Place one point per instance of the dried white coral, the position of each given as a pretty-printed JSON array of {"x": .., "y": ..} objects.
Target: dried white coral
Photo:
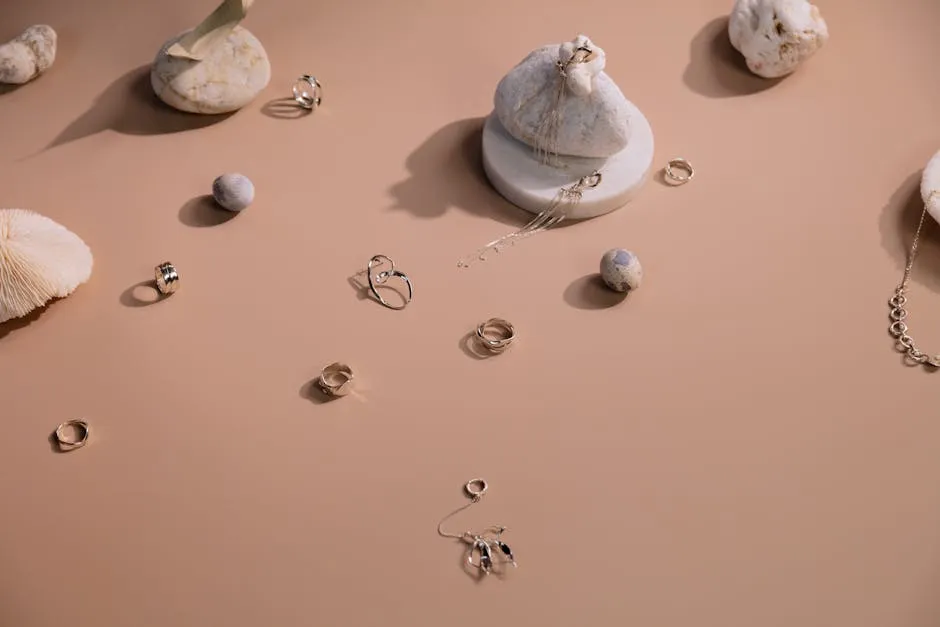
[
  {"x": 39, "y": 260},
  {"x": 930, "y": 187},
  {"x": 776, "y": 36}
]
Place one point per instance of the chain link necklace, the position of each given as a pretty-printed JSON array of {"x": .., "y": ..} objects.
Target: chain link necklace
[{"x": 898, "y": 327}]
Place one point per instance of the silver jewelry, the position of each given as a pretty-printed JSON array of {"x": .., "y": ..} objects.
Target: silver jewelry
[
  {"x": 898, "y": 314},
  {"x": 546, "y": 134},
  {"x": 496, "y": 334},
  {"x": 566, "y": 198},
  {"x": 485, "y": 545},
  {"x": 168, "y": 279},
  {"x": 308, "y": 92},
  {"x": 336, "y": 379},
  {"x": 72, "y": 434},
  {"x": 679, "y": 171},
  {"x": 377, "y": 278}
]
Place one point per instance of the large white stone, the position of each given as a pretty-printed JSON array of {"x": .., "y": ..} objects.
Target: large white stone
[
  {"x": 930, "y": 187},
  {"x": 594, "y": 112},
  {"x": 776, "y": 36},
  {"x": 522, "y": 180},
  {"x": 28, "y": 55},
  {"x": 229, "y": 77}
]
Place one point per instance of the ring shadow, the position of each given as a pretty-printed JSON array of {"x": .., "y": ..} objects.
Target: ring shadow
[
  {"x": 471, "y": 347},
  {"x": 312, "y": 392},
  {"x": 131, "y": 297},
  {"x": 130, "y": 107},
  {"x": 591, "y": 293},
  {"x": 203, "y": 211},
  {"x": 716, "y": 69},
  {"x": 284, "y": 109},
  {"x": 898, "y": 223},
  {"x": 446, "y": 171}
]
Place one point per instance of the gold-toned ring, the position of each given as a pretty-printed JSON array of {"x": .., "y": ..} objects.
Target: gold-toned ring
[
  {"x": 72, "y": 434},
  {"x": 496, "y": 334},
  {"x": 679, "y": 171},
  {"x": 336, "y": 379},
  {"x": 167, "y": 278},
  {"x": 476, "y": 488}
]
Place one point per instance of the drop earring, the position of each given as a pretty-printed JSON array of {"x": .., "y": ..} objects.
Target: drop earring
[{"x": 483, "y": 547}]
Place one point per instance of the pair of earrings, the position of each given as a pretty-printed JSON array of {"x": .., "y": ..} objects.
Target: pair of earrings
[{"x": 485, "y": 546}]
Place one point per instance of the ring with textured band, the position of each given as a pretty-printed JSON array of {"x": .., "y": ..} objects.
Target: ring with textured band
[
  {"x": 336, "y": 379},
  {"x": 679, "y": 171},
  {"x": 308, "y": 92},
  {"x": 167, "y": 278}
]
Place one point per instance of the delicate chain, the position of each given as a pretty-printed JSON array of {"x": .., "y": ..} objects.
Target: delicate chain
[
  {"x": 898, "y": 328},
  {"x": 462, "y": 536}
]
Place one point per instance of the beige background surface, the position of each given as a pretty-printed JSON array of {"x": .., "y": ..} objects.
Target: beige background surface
[{"x": 736, "y": 444}]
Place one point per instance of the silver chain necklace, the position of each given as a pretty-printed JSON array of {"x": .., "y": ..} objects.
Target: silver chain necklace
[{"x": 898, "y": 328}]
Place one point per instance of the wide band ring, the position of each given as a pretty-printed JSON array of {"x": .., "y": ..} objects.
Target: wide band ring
[
  {"x": 679, "y": 170},
  {"x": 72, "y": 434},
  {"x": 476, "y": 488},
  {"x": 377, "y": 278},
  {"x": 496, "y": 334},
  {"x": 336, "y": 379},
  {"x": 167, "y": 278},
  {"x": 308, "y": 92}
]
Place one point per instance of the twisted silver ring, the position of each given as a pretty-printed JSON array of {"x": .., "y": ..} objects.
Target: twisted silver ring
[
  {"x": 336, "y": 379},
  {"x": 72, "y": 434},
  {"x": 308, "y": 92},
  {"x": 380, "y": 277},
  {"x": 167, "y": 278}
]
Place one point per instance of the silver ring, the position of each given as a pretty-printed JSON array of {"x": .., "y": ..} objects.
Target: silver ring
[
  {"x": 308, "y": 92},
  {"x": 476, "y": 487},
  {"x": 679, "y": 170},
  {"x": 336, "y": 379},
  {"x": 168, "y": 279},
  {"x": 72, "y": 434},
  {"x": 378, "y": 278},
  {"x": 496, "y": 334}
]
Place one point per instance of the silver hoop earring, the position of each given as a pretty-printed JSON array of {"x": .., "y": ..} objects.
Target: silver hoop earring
[
  {"x": 380, "y": 277},
  {"x": 483, "y": 546}
]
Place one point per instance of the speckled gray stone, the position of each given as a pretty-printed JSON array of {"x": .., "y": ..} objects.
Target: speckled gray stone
[
  {"x": 233, "y": 191},
  {"x": 594, "y": 112},
  {"x": 28, "y": 55},
  {"x": 621, "y": 270}
]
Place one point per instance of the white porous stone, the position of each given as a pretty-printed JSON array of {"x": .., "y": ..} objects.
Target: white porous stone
[
  {"x": 28, "y": 55},
  {"x": 930, "y": 187},
  {"x": 233, "y": 191},
  {"x": 594, "y": 112},
  {"x": 621, "y": 270},
  {"x": 775, "y": 36},
  {"x": 230, "y": 76}
]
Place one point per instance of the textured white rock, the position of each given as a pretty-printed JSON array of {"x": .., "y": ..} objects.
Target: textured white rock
[
  {"x": 775, "y": 36},
  {"x": 233, "y": 191},
  {"x": 228, "y": 77},
  {"x": 39, "y": 260},
  {"x": 621, "y": 270},
  {"x": 930, "y": 187},
  {"x": 594, "y": 112},
  {"x": 28, "y": 55}
]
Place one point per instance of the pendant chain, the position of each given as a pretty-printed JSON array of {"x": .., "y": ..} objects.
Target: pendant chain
[{"x": 898, "y": 328}]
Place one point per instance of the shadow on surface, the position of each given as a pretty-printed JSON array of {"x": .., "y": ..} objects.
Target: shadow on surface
[
  {"x": 472, "y": 349},
  {"x": 129, "y": 106},
  {"x": 716, "y": 69},
  {"x": 8, "y": 327},
  {"x": 204, "y": 211},
  {"x": 141, "y": 295},
  {"x": 590, "y": 292},
  {"x": 284, "y": 109},
  {"x": 899, "y": 220},
  {"x": 447, "y": 171},
  {"x": 311, "y": 391}
]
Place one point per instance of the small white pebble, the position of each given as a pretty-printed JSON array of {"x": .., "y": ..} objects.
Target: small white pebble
[
  {"x": 621, "y": 270},
  {"x": 233, "y": 191}
]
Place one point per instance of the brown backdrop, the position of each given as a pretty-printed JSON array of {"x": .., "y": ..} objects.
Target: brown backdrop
[{"x": 735, "y": 444}]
